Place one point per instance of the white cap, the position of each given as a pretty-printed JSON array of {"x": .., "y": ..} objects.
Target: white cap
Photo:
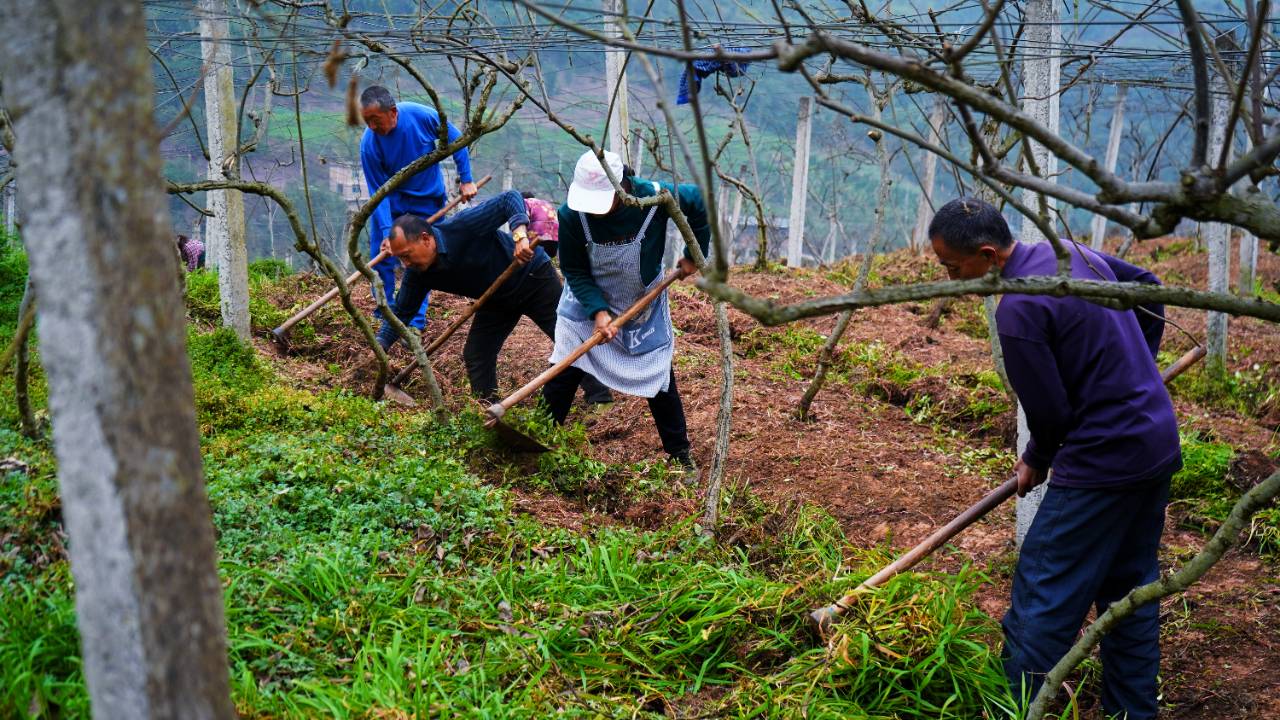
[{"x": 591, "y": 191}]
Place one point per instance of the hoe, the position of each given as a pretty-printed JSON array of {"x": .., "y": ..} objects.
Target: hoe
[{"x": 822, "y": 619}]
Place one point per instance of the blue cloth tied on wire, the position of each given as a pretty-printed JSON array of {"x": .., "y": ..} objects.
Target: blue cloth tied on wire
[{"x": 691, "y": 83}]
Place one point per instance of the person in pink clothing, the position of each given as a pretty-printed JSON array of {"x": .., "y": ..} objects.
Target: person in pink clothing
[{"x": 543, "y": 222}]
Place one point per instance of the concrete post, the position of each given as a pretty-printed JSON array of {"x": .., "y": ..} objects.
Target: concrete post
[
  {"x": 615, "y": 77},
  {"x": 734, "y": 224},
  {"x": 924, "y": 212},
  {"x": 1042, "y": 77},
  {"x": 1217, "y": 235},
  {"x": 225, "y": 243},
  {"x": 1113, "y": 154},
  {"x": 10, "y": 216},
  {"x": 799, "y": 184}
]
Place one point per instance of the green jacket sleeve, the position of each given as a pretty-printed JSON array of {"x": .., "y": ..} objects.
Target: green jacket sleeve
[
  {"x": 575, "y": 263},
  {"x": 695, "y": 211}
]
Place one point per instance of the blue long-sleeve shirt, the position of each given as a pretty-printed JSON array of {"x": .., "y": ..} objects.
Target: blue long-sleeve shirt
[
  {"x": 472, "y": 251},
  {"x": 381, "y": 156},
  {"x": 1098, "y": 412},
  {"x": 622, "y": 226}
]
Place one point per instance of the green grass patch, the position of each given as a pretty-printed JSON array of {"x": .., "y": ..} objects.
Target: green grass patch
[
  {"x": 204, "y": 301},
  {"x": 370, "y": 572},
  {"x": 374, "y": 566},
  {"x": 1248, "y": 392},
  {"x": 792, "y": 350},
  {"x": 1204, "y": 468}
]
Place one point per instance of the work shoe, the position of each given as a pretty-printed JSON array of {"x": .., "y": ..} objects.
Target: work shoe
[{"x": 681, "y": 464}]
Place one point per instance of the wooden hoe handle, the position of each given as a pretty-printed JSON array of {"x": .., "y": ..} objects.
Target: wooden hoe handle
[
  {"x": 466, "y": 315},
  {"x": 822, "y": 618}
]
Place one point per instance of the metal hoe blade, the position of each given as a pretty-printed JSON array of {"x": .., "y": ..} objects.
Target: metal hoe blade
[
  {"x": 396, "y": 395},
  {"x": 515, "y": 440}
]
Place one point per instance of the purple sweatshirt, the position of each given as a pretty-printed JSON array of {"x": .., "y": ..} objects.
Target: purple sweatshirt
[{"x": 1097, "y": 409}]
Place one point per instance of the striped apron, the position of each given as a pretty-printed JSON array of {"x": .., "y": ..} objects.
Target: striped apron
[{"x": 638, "y": 360}]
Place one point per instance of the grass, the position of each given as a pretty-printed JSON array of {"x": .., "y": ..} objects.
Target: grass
[
  {"x": 1202, "y": 487},
  {"x": 370, "y": 571},
  {"x": 204, "y": 301},
  {"x": 1204, "y": 468},
  {"x": 1249, "y": 392}
]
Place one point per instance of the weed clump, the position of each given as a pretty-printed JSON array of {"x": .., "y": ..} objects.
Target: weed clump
[{"x": 1204, "y": 468}]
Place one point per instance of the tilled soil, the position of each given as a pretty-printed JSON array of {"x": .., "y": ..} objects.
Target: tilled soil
[{"x": 886, "y": 478}]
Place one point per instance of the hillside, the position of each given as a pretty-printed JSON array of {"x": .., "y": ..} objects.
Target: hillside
[{"x": 380, "y": 565}]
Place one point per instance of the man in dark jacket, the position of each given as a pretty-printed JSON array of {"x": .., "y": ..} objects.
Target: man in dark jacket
[
  {"x": 1101, "y": 420},
  {"x": 464, "y": 254}
]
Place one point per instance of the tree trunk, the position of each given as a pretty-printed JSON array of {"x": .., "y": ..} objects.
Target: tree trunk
[
  {"x": 724, "y": 423},
  {"x": 22, "y": 368},
  {"x": 148, "y": 599},
  {"x": 1041, "y": 43},
  {"x": 225, "y": 241},
  {"x": 799, "y": 184}
]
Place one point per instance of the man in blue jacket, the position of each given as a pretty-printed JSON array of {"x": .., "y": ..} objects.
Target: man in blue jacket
[
  {"x": 398, "y": 134},
  {"x": 1101, "y": 419}
]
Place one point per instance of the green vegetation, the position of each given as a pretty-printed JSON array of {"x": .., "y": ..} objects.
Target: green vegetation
[
  {"x": 371, "y": 572},
  {"x": 204, "y": 302},
  {"x": 1204, "y": 468},
  {"x": 1250, "y": 392},
  {"x": 1204, "y": 486},
  {"x": 13, "y": 279}
]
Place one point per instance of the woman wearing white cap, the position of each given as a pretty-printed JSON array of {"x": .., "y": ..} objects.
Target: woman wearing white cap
[{"x": 611, "y": 254}]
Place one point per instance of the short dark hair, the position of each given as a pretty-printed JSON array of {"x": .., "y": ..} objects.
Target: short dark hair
[
  {"x": 527, "y": 195},
  {"x": 377, "y": 95},
  {"x": 966, "y": 224},
  {"x": 412, "y": 226}
]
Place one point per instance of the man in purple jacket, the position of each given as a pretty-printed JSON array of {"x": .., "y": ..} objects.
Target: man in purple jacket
[{"x": 1101, "y": 420}]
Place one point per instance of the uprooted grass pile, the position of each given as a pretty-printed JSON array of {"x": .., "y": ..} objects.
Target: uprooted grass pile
[{"x": 370, "y": 572}]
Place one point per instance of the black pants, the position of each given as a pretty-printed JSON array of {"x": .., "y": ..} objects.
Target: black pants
[
  {"x": 535, "y": 298},
  {"x": 666, "y": 407}
]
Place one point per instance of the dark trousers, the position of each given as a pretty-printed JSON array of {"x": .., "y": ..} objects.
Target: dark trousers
[
  {"x": 1089, "y": 547},
  {"x": 666, "y": 407},
  {"x": 535, "y": 298}
]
